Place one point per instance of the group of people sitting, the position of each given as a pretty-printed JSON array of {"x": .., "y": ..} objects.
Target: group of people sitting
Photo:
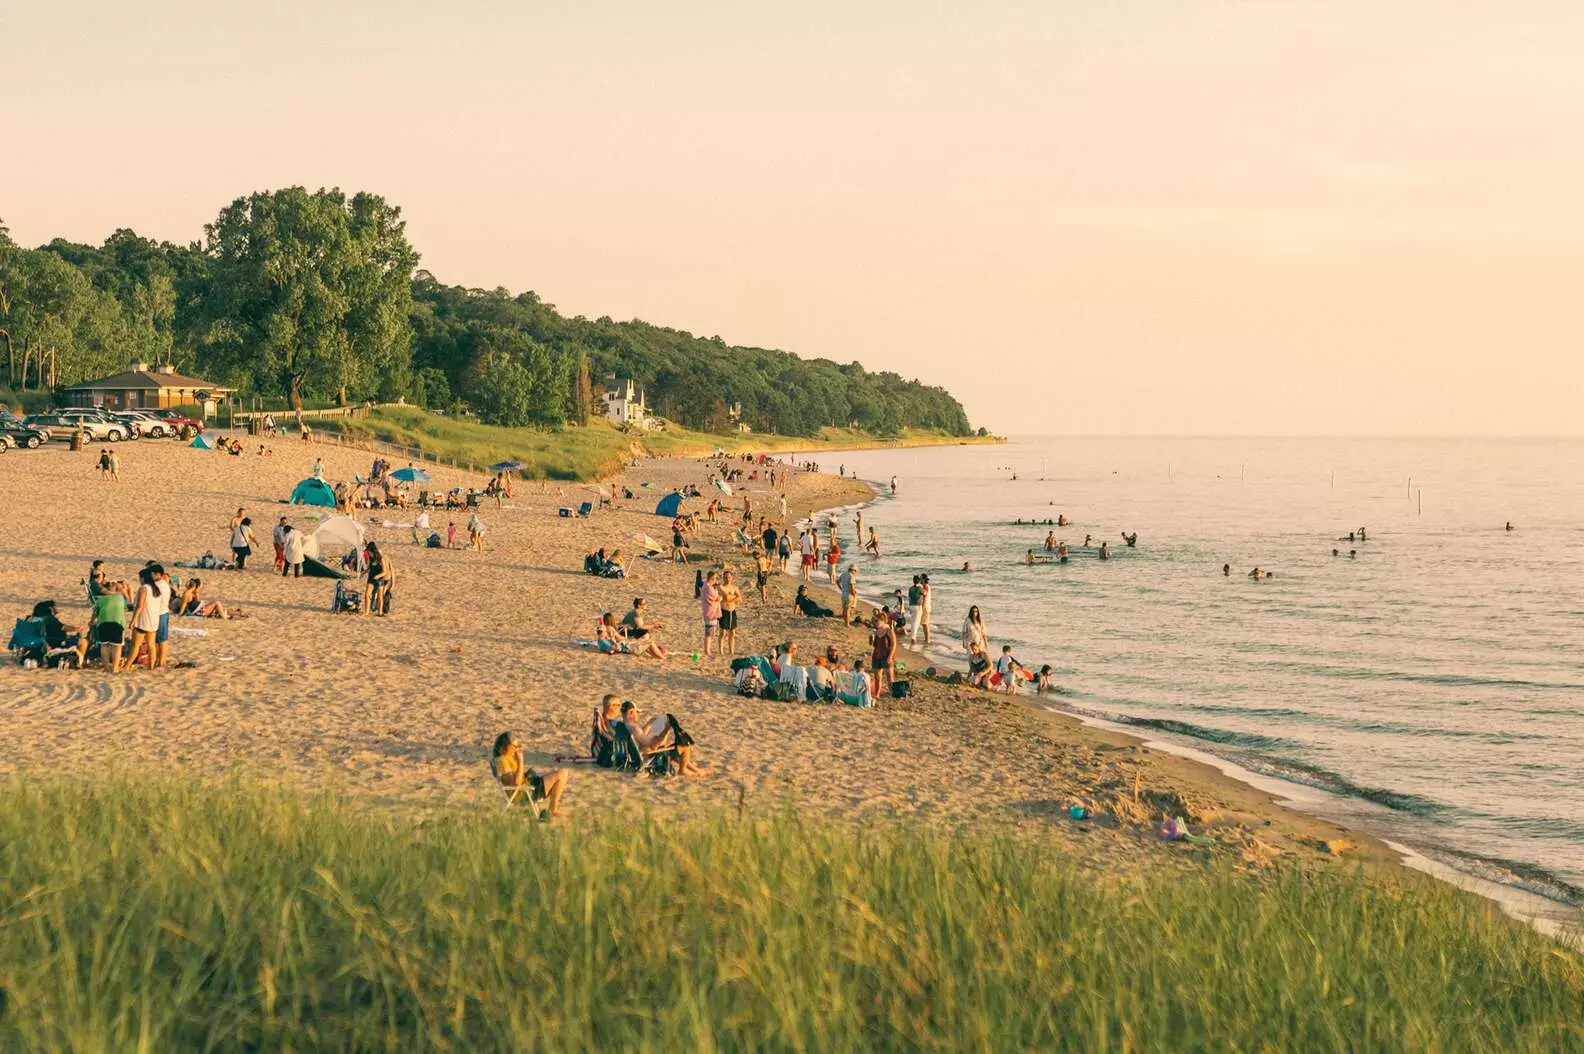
[
  {"x": 619, "y": 739},
  {"x": 633, "y": 635},
  {"x": 128, "y": 624},
  {"x": 784, "y": 676},
  {"x": 596, "y": 563}
]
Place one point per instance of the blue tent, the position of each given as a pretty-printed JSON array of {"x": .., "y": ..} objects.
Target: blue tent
[
  {"x": 313, "y": 492},
  {"x": 202, "y": 442},
  {"x": 669, "y": 505}
]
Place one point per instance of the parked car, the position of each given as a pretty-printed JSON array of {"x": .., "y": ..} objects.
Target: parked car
[
  {"x": 179, "y": 421},
  {"x": 102, "y": 424},
  {"x": 18, "y": 434},
  {"x": 54, "y": 426},
  {"x": 147, "y": 424},
  {"x": 95, "y": 426}
]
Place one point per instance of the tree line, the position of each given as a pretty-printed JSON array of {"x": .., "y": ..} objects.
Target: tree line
[{"x": 317, "y": 296}]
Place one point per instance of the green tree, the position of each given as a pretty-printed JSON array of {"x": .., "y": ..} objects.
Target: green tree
[{"x": 310, "y": 293}]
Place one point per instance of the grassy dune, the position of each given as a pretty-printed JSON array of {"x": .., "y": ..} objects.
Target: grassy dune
[
  {"x": 585, "y": 453},
  {"x": 171, "y": 916}
]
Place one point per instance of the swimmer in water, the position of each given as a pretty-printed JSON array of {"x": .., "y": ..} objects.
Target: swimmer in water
[
  {"x": 967, "y": 567},
  {"x": 873, "y": 544},
  {"x": 1061, "y": 520},
  {"x": 1105, "y": 550},
  {"x": 1256, "y": 574},
  {"x": 1362, "y": 536},
  {"x": 1509, "y": 525},
  {"x": 1031, "y": 560},
  {"x": 1050, "y": 541},
  {"x": 1087, "y": 541},
  {"x": 1336, "y": 552},
  {"x": 1131, "y": 539},
  {"x": 1226, "y": 570},
  {"x": 1352, "y": 554}
]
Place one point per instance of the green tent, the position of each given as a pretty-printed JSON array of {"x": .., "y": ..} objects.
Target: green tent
[{"x": 313, "y": 492}]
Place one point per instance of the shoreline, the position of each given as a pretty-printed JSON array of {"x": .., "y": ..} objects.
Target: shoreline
[
  {"x": 1557, "y": 918},
  {"x": 398, "y": 713}
]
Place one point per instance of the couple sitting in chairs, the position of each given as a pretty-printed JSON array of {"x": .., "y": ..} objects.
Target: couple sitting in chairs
[{"x": 621, "y": 740}]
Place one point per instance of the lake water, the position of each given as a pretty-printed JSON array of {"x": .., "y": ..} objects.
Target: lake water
[{"x": 1434, "y": 684}]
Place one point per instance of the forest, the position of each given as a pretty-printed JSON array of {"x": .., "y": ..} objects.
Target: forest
[{"x": 304, "y": 298}]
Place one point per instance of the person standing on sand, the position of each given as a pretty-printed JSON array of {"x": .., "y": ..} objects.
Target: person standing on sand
[
  {"x": 762, "y": 567},
  {"x": 883, "y": 658},
  {"x": 377, "y": 579},
  {"x": 278, "y": 537},
  {"x": 291, "y": 552},
  {"x": 450, "y": 534},
  {"x": 730, "y": 597},
  {"x": 710, "y": 606},
  {"x": 318, "y": 469},
  {"x": 833, "y": 556},
  {"x": 475, "y": 528},
  {"x": 806, "y": 544},
  {"x": 421, "y": 527},
  {"x": 242, "y": 540},
  {"x": 848, "y": 583},
  {"x": 114, "y": 468},
  {"x": 973, "y": 632}
]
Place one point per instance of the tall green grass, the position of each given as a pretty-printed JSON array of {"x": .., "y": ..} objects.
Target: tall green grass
[
  {"x": 171, "y": 916},
  {"x": 574, "y": 453}
]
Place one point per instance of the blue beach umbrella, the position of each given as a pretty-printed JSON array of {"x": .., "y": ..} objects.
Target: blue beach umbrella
[
  {"x": 507, "y": 466},
  {"x": 411, "y": 475}
]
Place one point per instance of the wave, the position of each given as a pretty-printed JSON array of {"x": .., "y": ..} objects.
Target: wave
[
  {"x": 1336, "y": 783},
  {"x": 1251, "y": 740}
]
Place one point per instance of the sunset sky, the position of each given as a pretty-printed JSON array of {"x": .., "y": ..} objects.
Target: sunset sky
[{"x": 1120, "y": 217}]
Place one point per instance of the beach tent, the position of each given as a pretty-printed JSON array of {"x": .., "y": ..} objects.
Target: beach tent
[
  {"x": 334, "y": 537},
  {"x": 313, "y": 492},
  {"x": 724, "y": 487},
  {"x": 669, "y": 506},
  {"x": 315, "y": 569},
  {"x": 411, "y": 475},
  {"x": 202, "y": 442}
]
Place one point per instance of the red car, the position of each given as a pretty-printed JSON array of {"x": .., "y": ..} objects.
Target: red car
[{"x": 179, "y": 420}]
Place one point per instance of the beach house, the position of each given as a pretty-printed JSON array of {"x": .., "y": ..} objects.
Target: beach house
[{"x": 146, "y": 388}]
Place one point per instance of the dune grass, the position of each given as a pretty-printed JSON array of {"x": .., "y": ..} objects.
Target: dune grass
[
  {"x": 158, "y": 915},
  {"x": 582, "y": 453}
]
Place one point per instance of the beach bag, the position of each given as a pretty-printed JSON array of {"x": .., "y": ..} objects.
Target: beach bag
[
  {"x": 901, "y": 689},
  {"x": 781, "y": 692},
  {"x": 434, "y": 541},
  {"x": 742, "y": 662},
  {"x": 749, "y": 681}
]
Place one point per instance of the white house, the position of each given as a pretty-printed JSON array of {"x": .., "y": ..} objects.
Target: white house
[{"x": 624, "y": 403}]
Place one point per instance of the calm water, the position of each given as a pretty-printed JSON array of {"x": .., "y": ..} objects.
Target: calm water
[{"x": 1435, "y": 684}]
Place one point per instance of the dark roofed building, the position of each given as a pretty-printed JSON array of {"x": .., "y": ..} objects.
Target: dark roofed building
[{"x": 145, "y": 388}]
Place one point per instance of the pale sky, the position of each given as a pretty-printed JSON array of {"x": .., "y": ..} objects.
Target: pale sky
[{"x": 1155, "y": 216}]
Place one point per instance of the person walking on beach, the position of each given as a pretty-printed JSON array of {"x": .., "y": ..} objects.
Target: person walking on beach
[
  {"x": 376, "y": 579},
  {"x": 848, "y": 583},
  {"x": 832, "y": 556},
  {"x": 242, "y": 541},
  {"x": 973, "y": 632},
  {"x": 762, "y": 567},
  {"x": 807, "y": 544},
  {"x": 291, "y": 551},
  {"x": 710, "y": 607},
  {"x": 278, "y": 539},
  {"x": 114, "y": 468},
  {"x": 873, "y": 544},
  {"x": 730, "y": 597},
  {"x": 475, "y": 528},
  {"x": 893, "y": 484}
]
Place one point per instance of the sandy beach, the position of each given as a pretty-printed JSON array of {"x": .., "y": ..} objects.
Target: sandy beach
[{"x": 400, "y": 712}]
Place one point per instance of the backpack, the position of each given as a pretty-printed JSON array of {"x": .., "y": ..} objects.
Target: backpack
[{"x": 434, "y": 540}]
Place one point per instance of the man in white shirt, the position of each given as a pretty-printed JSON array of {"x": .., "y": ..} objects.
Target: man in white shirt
[{"x": 292, "y": 551}]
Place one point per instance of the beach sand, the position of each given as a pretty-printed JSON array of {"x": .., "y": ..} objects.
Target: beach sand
[{"x": 400, "y": 712}]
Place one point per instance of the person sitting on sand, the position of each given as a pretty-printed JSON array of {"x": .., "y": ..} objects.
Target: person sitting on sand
[
  {"x": 822, "y": 682},
  {"x": 979, "y": 669},
  {"x": 611, "y": 641},
  {"x": 860, "y": 689},
  {"x": 190, "y": 604},
  {"x": 507, "y": 765},
  {"x": 1042, "y": 680},
  {"x": 635, "y": 624},
  {"x": 806, "y": 606}
]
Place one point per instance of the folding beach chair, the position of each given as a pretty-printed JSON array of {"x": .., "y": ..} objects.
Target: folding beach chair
[
  {"x": 513, "y": 793},
  {"x": 29, "y": 642},
  {"x": 585, "y": 509}
]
